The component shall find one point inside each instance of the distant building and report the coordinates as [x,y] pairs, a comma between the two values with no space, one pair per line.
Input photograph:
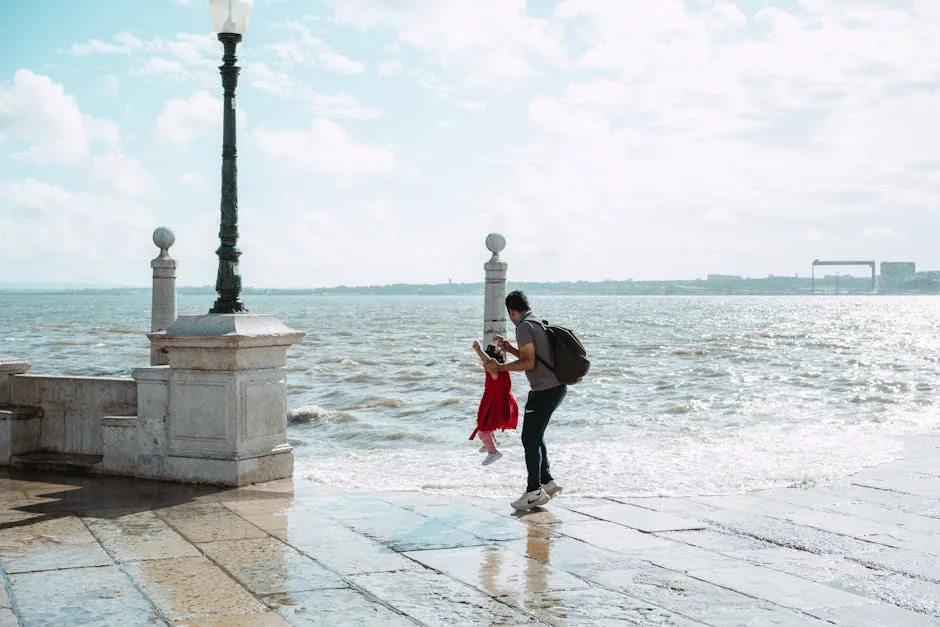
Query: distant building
[721,278]
[897,276]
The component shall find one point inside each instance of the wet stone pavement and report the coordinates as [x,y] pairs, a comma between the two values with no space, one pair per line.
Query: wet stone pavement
[104,551]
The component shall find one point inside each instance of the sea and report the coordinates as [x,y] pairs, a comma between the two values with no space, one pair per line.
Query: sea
[686,395]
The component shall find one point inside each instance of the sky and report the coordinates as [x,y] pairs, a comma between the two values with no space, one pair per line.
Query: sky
[379,142]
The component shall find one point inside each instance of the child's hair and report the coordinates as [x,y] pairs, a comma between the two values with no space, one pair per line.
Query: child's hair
[495,353]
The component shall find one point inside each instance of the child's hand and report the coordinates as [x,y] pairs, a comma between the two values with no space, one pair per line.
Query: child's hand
[476,345]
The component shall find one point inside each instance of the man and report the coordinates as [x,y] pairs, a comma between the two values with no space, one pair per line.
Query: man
[546,394]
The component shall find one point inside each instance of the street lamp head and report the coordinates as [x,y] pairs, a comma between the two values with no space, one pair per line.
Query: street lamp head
[230,16]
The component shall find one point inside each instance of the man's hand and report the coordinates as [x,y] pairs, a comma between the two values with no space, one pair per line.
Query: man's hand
[501,342]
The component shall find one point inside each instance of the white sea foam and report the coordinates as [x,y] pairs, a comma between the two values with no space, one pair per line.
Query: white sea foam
[758,457]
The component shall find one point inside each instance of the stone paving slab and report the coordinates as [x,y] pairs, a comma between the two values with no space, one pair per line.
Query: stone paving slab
[190,588]
[595,606]
[100,551]
[265,619]
[612,536]
[267,566]
[498,571]
[696,599]
[345,607]
[138,537]
[50,545]
[435,599]
[81,596]
[345,551]
[632,516]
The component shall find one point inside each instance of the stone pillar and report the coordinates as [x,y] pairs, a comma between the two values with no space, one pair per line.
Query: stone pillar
[19,426]
[227,398]
[163,303]
[494,304]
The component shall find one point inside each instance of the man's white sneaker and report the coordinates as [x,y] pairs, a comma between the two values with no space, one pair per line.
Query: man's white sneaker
[552,488]
[527,501]
[492,457]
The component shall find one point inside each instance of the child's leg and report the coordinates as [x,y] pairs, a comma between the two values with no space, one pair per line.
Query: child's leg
[488,441]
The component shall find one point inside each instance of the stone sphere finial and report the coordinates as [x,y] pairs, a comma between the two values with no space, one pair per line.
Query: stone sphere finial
[495,243]
[163,238]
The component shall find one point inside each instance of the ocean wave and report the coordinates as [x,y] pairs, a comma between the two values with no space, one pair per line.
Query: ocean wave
[691,352]
[407,435]
[380,402]
[126,331]
[452,400]
[347,361]
[771,335]
[315,413]
[872,398]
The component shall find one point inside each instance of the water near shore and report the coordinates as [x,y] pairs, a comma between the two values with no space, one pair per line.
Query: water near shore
[685,395]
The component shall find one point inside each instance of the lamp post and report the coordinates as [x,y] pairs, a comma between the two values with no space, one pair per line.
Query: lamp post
[230,19]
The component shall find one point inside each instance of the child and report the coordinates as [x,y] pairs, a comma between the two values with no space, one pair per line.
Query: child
[498,408]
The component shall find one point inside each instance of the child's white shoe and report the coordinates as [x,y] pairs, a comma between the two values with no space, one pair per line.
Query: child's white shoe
[483,447]
[492,457]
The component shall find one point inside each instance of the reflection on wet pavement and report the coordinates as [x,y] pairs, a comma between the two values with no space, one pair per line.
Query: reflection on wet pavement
[106,551]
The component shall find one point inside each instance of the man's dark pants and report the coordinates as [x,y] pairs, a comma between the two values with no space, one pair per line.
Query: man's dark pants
[538,411]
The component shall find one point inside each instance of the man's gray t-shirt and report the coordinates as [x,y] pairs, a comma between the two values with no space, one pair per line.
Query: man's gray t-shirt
[529,331]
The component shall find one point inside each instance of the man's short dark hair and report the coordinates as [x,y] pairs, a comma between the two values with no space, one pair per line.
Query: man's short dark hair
[517,301]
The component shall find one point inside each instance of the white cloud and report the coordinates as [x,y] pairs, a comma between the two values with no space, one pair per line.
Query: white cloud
[367,241]
[657,139]
[51,220]
[390,68]
[338,105]
[341,105]
[124,174]
[124,43]
[261,76]
[37,109]
[193,180]
[304,48]
[190,56]
[161,66]
[112,84]
[326,148]
[340,64]
[190,48]
[183,119]
[806,119]
[489,40]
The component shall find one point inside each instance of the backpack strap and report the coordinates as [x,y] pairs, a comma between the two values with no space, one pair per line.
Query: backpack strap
[543,324]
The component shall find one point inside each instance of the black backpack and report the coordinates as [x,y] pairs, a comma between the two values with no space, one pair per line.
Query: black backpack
[568,354]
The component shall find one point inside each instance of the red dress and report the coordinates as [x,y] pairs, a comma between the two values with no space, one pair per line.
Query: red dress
[498,408]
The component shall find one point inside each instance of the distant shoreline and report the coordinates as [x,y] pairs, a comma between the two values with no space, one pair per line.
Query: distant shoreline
[720,286]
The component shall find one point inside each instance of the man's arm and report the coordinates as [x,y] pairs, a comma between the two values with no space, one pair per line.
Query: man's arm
[526,361]
[506,346]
